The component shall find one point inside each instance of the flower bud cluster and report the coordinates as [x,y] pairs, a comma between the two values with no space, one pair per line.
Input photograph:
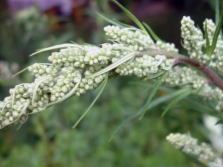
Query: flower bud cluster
[68,57]
[145,66]
[216,60]
[41,69]
[77,69]
[170,47]
[134,39]
[190,146]
[178,76]
[193,40]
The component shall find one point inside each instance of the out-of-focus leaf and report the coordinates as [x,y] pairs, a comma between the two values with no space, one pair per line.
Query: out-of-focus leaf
[131,16]
[154,103]
[174,101]
[96,98]
[151,32]
[156,87]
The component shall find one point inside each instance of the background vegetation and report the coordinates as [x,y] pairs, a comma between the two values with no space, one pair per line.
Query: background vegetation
[47,140]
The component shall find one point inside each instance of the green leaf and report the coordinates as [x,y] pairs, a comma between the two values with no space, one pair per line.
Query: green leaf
[154,103]
[96,98]
[155,75]
[21,71]
[68,95]
[156,87]
[217,11]
[198,106]
[115,22]
[208,46]
[131,16]
[217,32]
[112,66]
[195,160]
[36,88]
[174,101]
[53,48]
[220,121]
[151,32]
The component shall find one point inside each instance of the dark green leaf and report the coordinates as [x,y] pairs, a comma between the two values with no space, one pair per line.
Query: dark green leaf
[174,101]
[156,87]
[131,16]
[151,32]
[96,98]
[217,32]
[154,103]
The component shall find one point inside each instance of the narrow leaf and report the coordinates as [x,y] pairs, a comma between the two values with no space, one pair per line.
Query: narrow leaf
[217,32]
[151,32]
[154,103]
[112,66]
[220,121]
[68,95]
[131,16]
[174,101]
[21,71]
[36,88]
[110,21]
[96,98]
[156,87]
[208,46]
[52,48]
[195,160]
[155,75]
[217,11]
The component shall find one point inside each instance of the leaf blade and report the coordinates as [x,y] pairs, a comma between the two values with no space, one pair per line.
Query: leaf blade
[151,96]
[131,16]
[174,101]
[154,103]
[91,105]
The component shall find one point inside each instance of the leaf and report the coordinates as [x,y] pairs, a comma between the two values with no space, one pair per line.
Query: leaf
[217,32]
[151,32]
[21,71]
[220,121]
[114,22]
[174,101]
[131,16]
[53,48]
[155,75]
[217,11]
[208,46]
[112,66]
[36,88]
[154,103]
[195,160]
[199,107]
[96,98]
[68,95]
[156,87]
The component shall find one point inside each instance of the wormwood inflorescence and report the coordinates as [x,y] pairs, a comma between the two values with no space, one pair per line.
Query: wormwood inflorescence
[189,145]
[76,69]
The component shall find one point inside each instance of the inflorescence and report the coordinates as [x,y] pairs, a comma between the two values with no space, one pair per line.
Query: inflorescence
[78,68]
[190,146]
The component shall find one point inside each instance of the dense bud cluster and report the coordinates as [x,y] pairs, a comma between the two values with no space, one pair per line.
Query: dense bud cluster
[190,146]
[196,44]
[71,70]
[136,40]
[179,76]
[193,40]
[76,69]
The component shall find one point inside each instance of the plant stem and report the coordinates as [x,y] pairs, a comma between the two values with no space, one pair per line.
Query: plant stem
[211,75]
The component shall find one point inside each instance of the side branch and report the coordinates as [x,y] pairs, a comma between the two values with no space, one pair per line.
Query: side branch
[211,75]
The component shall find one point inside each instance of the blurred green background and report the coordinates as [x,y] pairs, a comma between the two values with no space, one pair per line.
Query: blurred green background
[46,139]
